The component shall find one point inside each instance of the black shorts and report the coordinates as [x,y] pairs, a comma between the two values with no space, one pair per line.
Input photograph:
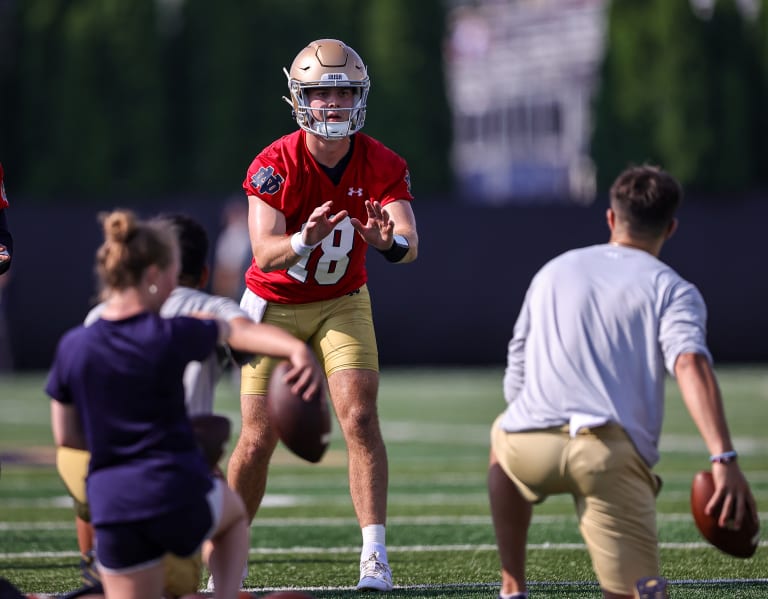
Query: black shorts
[142,543]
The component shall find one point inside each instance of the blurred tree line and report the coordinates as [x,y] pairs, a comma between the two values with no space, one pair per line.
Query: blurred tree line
[144,98]
[686,91]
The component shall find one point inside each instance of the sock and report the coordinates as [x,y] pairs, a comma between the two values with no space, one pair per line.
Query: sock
[523,595]
[374,539]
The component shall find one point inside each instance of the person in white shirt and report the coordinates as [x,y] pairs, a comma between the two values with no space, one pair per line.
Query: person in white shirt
[584,387]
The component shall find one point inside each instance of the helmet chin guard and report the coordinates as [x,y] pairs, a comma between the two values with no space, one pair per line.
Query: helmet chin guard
[327,63]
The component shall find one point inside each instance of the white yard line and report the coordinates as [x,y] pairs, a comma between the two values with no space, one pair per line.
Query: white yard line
[356,549]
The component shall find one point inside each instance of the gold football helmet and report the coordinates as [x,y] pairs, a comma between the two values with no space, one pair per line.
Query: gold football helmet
[327,63]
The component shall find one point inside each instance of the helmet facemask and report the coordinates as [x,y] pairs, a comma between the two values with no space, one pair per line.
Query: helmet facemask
[323,64]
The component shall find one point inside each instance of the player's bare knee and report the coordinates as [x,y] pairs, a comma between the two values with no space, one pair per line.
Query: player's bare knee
[259,435]
[361,424]
[257,454]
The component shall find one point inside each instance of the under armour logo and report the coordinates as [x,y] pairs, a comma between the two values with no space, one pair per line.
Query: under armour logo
[266,181]
[358,191]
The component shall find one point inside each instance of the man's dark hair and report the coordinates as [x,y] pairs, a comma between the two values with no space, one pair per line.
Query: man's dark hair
[193,247]
[645,199]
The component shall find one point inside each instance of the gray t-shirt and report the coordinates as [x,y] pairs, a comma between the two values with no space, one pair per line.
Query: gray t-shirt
[597,329]
[200,378]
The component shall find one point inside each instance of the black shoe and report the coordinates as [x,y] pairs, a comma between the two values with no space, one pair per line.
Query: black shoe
[652,587]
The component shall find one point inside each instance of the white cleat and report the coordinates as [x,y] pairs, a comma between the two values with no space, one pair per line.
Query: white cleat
[211,588]
[375,575]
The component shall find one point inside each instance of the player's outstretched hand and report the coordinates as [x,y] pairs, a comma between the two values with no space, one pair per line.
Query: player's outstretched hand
[378,231]
[320,223]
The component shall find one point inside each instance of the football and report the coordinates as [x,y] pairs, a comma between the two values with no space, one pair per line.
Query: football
[738,543]
[212,433]
[304,427]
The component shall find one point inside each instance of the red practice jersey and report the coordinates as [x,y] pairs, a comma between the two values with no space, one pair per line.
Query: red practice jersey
[3,197]
[286,176]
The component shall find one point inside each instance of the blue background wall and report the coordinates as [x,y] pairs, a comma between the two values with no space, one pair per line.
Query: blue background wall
[456,304]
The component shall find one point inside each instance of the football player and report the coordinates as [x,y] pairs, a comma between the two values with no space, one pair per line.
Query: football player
[318,199]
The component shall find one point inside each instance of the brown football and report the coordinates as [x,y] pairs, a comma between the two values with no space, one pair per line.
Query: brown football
[738,543]
[303,426]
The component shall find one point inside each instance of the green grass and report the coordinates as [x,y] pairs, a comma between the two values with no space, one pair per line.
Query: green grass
[439,534]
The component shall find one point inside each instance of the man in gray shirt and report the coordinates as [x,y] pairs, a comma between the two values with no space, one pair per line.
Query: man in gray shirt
[584,386]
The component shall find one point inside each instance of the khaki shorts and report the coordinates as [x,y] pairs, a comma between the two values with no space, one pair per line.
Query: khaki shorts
[72,465]
[614,493]
[340,332]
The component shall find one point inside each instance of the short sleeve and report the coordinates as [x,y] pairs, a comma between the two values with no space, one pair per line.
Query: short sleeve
[683,325]
[56,386]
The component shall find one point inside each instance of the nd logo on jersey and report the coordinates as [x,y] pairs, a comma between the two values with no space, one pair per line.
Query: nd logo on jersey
[266,181]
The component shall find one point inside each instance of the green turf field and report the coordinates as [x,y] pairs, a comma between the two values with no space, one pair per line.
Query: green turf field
[439,534]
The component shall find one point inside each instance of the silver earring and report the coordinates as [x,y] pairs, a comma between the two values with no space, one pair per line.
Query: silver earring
[153,289]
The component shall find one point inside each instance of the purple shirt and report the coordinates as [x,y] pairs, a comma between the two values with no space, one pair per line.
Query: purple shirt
[125,378]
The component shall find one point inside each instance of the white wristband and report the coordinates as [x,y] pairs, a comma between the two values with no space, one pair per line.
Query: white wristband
[724,458]
[298,245]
